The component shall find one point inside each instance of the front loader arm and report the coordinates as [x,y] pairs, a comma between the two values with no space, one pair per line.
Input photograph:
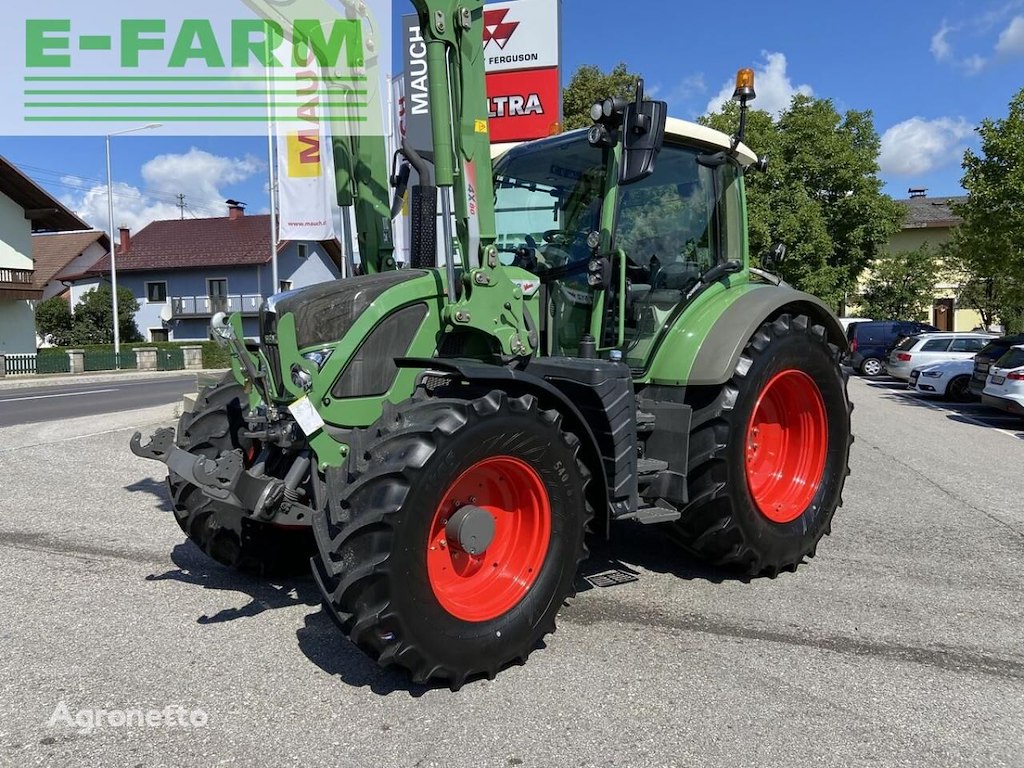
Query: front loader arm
[488,301]
[361,178]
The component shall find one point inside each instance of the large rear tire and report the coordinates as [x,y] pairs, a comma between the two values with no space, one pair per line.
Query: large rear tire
[769,453]
[453,534]
[222,532]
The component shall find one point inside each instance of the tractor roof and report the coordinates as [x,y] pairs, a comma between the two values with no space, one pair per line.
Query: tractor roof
[674,129]
[684,129]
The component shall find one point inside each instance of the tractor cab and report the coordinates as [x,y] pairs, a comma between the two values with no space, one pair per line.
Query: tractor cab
[560,203]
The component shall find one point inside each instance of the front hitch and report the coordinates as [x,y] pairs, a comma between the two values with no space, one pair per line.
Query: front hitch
[224,479]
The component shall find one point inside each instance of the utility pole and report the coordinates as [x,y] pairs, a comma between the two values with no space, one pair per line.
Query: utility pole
[181,205]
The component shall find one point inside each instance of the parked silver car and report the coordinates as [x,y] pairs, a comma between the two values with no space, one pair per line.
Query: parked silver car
[929,348]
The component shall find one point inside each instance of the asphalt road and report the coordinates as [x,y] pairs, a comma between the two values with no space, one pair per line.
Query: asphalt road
[900,644]
[53,403]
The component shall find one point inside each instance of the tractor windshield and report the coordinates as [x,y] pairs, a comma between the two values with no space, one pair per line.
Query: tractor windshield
[671,228]
[548,200]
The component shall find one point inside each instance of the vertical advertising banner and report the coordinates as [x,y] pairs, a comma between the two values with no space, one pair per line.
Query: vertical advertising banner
[305,161]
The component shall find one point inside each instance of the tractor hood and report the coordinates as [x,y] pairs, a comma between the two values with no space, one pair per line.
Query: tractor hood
[324,313]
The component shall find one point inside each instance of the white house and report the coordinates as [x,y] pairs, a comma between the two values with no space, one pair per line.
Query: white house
[24,208]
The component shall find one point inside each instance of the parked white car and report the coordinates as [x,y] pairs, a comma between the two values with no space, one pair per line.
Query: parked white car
[951,379]
[1004,388]
[929,348]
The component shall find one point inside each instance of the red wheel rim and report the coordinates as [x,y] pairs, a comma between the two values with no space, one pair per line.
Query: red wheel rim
[786,446]
[483,587]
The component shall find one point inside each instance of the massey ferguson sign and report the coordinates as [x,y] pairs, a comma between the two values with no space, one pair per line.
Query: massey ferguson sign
[521,49]
[521,35]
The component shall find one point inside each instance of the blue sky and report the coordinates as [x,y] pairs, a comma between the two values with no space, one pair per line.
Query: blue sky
[929,71]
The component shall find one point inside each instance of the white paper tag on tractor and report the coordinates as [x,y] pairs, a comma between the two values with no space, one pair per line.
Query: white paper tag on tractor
[305,414]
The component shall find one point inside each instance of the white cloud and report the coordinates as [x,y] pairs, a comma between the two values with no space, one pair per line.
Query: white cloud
[197,174]
[917,146]
[941,49]
[688,88]
[1011,40]
[974,64]
[774,88]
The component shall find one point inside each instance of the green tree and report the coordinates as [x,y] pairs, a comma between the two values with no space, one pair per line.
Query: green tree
[988,247]
[54,321]
[821,195]
[94,317]
[902,284]
[590,85]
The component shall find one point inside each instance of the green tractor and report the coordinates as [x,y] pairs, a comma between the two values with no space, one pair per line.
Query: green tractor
[590,346]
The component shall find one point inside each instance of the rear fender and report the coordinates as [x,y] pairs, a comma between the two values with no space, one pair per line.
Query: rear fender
[703,349]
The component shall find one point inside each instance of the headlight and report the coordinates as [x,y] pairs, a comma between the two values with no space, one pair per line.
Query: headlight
[932,374]
[318,358]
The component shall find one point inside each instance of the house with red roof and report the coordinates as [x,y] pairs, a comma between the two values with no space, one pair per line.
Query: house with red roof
[62,257]
[182,272]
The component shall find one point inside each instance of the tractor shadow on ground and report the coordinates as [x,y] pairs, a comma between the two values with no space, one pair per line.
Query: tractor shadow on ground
[197,569]
[155,488]
[319,639]
[646,547]
[322,643]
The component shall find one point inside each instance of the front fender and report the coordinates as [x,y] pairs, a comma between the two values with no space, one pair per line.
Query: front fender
[704,347]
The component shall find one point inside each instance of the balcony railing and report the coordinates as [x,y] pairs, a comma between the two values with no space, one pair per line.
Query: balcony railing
[18,277]
[208,306]
[17,284]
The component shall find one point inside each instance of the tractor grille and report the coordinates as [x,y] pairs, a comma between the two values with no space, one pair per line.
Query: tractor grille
[268,343]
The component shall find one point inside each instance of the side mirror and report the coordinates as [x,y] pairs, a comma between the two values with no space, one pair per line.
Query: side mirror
[774,258]
[643,134]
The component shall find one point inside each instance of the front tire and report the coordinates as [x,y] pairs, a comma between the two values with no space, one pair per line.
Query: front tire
[769,453]
[394,573]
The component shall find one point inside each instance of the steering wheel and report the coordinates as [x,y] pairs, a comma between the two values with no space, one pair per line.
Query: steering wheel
[563,236]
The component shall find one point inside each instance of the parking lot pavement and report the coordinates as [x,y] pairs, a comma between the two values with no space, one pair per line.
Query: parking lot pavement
[900,644]
[969,413]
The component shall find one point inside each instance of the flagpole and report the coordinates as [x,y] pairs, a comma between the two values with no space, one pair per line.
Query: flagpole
[272,164]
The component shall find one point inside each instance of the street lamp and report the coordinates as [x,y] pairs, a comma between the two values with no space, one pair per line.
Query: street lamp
[113,249]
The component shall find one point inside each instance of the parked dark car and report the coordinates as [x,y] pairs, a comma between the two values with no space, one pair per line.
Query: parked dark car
[871,342]
[988,355]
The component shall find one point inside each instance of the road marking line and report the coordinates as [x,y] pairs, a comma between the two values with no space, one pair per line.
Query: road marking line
[66,394]
[965,417]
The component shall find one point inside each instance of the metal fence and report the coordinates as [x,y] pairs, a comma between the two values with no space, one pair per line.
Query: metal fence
[170,360]
[106,360]
[94,360]
[20,364]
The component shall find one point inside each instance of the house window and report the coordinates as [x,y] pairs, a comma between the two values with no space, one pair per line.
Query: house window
[286,285]
[156,293]
[303,250]
[158,334]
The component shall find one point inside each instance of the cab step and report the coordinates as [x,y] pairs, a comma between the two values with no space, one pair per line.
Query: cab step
[653,514]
